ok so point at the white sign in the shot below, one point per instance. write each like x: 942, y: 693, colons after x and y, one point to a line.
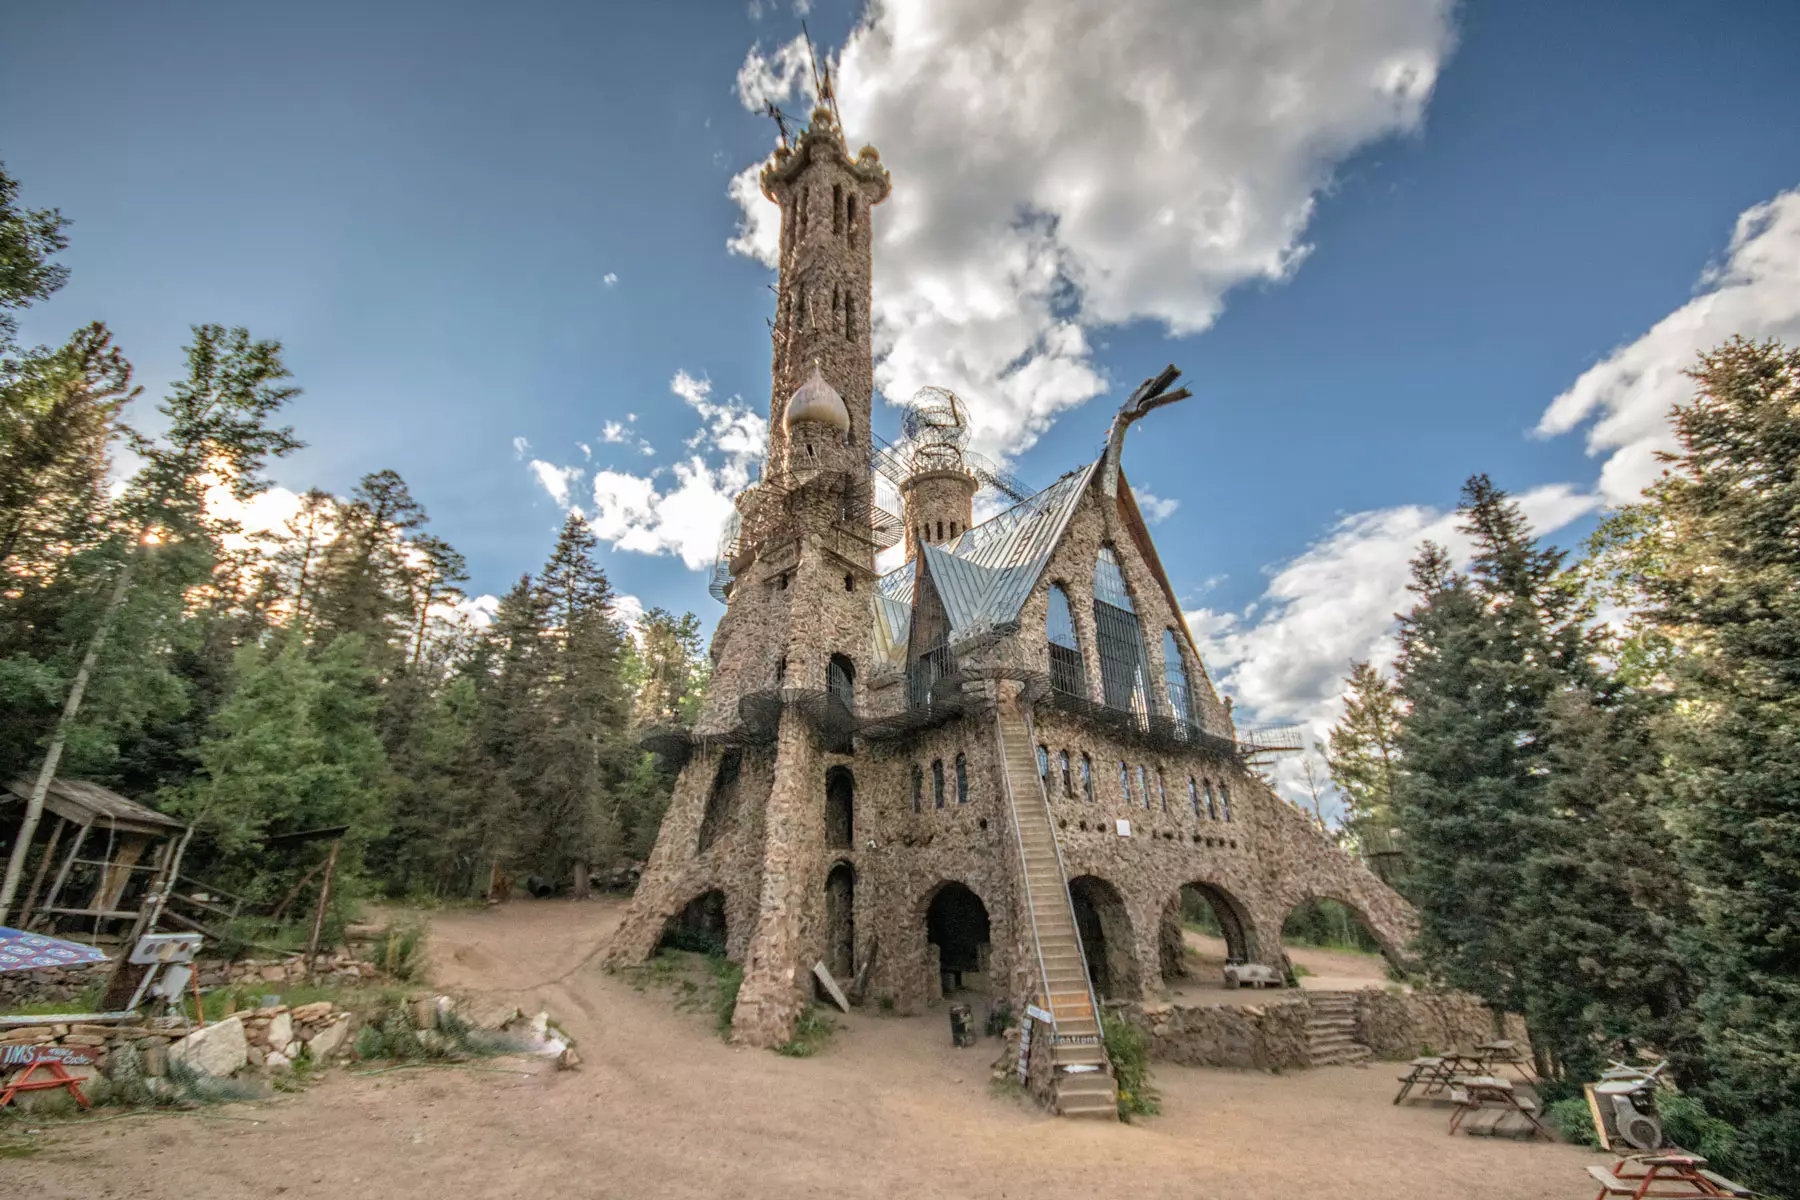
x: 1038, y: 1014
x: 1124, y: 827
x: 1024, y: 1049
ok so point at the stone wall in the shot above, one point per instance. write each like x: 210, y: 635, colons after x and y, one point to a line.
x: 48, y: 985
x: 1400, y: 1026
x: 1260, y: 1037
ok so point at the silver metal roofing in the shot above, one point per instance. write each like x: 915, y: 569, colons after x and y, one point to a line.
x: 984, y: 575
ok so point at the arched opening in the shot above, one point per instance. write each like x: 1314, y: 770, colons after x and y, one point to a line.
x: 840, y: 921
x: 956, y: 922
x: 1333, y: 944
x: 722, y: 799
x: 840, y: 680
x: 1106, y: 939
x: 840, y: 808
x: 699, y: 926
x: 1203, y: 929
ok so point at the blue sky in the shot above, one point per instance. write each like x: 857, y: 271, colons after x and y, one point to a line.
x: 473, y: 223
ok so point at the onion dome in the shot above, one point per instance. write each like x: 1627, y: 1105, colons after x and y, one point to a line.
x: 816, y: 400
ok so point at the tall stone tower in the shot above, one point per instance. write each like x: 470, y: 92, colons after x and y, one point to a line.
x: 793, y: 653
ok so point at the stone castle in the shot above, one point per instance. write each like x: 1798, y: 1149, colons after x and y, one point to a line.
x: 993, y: 768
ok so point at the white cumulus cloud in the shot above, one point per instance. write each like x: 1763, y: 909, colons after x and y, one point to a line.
x: 1284, y: 658
x: 609, y: 279
x: 1755, y: 292
x: 1154, y: 508
x: 1065, y: 165
x: 681, y: 509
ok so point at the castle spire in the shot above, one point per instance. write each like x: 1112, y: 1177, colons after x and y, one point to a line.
x: 822, y: 301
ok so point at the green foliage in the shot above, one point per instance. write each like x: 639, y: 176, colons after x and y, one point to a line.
x: 1573, y: 1120
x: 400, y: 951
x: 28, y: 239
x: 1000, y: 1018
x: 1329, y: 924
x: 1129, y: 1051
x: 1363, y: 755
x: 728, y: 978
x: 811, y: 1032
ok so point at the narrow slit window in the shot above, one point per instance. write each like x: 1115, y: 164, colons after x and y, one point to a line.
x: 1124, y: 782
x: 1162, y: 793
x: 1043, y: 753
x: 1087, y: 778
x: 937, y: 783
x: 1143, y: 788
x: 837, y: 208
x: 849, y: 320
x: 1225, y: 801
x: 1194, y: 795
x: 1068, y: 784
x: 962, y: 779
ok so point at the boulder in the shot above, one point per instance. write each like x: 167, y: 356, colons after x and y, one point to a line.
x: 315, y: 1011
x: 218, y: 1049
x: 281, y: 1032
x: 329, y: 1039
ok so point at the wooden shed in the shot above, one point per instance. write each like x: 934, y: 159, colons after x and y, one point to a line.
x: 103, y: 858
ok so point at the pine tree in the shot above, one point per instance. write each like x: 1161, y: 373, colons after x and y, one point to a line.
x: 1362, y: 754
x: 28, y: 240
x: 1717, y: 558
x: 364, y: 588
x: 668, y: 669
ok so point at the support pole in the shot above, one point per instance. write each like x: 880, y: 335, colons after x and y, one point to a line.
x: 36, y: 891
x: 312, y: 944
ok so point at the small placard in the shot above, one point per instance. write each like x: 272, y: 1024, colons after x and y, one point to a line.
x: 1124, y: 827
x: 1024, y: 1049
x: 1038, y: 1014
x: 68, y: 1056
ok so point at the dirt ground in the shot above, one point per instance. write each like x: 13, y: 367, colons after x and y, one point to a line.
x: 1326, y: 970
x: 662, y: 1107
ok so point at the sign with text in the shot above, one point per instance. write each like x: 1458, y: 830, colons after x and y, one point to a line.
x: 68, y: 1056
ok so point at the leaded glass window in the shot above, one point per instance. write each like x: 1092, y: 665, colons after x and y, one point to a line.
x: 1123, y: 667
x: 1176, y: 677
x: 1067, y: 672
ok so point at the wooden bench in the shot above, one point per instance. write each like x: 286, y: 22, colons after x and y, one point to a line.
x: 1729, y: 1186
x: 1610, y: 1184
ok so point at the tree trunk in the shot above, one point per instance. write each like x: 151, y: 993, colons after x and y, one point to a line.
x: 34, y: 805
x: 582, y: 881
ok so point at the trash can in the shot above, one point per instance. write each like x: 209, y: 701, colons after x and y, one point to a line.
x: 962, y: 1025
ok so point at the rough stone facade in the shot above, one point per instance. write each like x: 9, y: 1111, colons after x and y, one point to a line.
x: 1401, y: 1025
x: 825, y: 812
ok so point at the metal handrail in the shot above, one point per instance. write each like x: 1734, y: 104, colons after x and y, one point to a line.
x: 1063, y: 870
x: 1037, y: 941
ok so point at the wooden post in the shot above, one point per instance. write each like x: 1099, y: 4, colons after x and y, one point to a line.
x: 37, y: 878
x: 62, y: 872
x: 312, y: 944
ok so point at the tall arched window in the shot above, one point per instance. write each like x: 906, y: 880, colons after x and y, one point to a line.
x: 1194, y: 795
x: 1044, y: 764
x: 937, y: 783
x: 1123, y: 667
x: 840, y: 680
x: 1225, y: 801
x: 1067, y: 673
x: 1124, y: 782
x: 1143, y: 787
x: 1212, y: 803
x: 1087, y: 778
x: 1063, y: 761
x: 962, y: 780
x: 1176, y: 677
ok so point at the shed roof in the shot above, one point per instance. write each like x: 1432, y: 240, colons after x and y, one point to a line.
x: 87, y: 803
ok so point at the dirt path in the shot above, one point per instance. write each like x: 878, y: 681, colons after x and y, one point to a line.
x: 1326, y: 970
x: 662, y: 1107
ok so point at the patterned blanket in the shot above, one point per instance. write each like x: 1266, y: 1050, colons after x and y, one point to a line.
x: 21, y: 951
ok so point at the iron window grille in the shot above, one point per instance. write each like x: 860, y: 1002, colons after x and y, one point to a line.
x: 1068, y: 674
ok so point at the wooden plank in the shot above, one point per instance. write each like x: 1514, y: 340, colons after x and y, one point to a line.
x: 830, y: 985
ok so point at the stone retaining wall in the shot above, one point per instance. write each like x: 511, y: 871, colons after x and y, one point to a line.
x: 48, y: 985
x: 1402, y: 1025
x: 1263, y: 1037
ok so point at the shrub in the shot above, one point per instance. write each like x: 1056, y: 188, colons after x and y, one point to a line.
x: 401, y: 951
x: 1129, y: 1051
x: 1572, y: 1118
x: 728, y: 977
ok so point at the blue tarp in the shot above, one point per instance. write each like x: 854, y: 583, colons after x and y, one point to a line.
x: 21, y: 951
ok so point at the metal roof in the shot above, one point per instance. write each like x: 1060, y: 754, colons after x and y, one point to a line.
x: 90, y: 804
x: 984, y: 575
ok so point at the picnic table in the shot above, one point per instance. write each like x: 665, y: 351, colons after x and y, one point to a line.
x: 1470, y: 1093
x: 1434, y: 1073
x: 1663, y: 1173
x: 1504, y: 1052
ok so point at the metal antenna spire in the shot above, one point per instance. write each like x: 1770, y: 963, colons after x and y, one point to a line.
x: 821, y: 80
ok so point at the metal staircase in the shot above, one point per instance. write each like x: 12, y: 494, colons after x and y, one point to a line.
x: 1086, y: 1090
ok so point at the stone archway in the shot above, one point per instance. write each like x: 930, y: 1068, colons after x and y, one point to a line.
x: 1106, y: 938
x: 840, y: 922
x: 957, y: 924
x: 1331, y: 923
x: 1206, y: 911
x: 699, y: 925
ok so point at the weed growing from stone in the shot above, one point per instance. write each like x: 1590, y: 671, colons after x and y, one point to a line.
x: 811, y: 1032
x: 1129, y: 1051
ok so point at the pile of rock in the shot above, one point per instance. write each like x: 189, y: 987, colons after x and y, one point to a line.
x: 278, y: 1035
x: 48, y: 985
x: 106, y: 1046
